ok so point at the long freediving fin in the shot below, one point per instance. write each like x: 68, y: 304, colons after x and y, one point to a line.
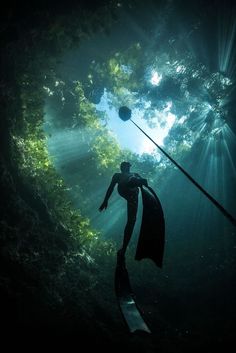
x: 126, y: 300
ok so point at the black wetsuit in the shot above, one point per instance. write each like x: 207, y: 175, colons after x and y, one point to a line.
x: 128, y: 184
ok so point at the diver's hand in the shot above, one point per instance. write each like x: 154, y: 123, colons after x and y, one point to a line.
x: 103, y: 206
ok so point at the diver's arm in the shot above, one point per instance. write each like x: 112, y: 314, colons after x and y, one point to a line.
x: 137, y: 180
x: 143, y: 181
x: 108, y: 193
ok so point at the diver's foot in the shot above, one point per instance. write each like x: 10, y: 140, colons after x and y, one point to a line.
x: 121, y: 258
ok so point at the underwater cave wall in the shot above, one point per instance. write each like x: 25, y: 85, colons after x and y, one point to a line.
x: 43, y: 281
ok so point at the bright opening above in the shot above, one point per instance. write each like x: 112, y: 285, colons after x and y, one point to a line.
x: 127, y: 134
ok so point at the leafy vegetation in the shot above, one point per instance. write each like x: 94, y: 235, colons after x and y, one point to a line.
x: 43, y: 237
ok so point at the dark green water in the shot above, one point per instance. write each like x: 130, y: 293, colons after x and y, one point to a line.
x: 173, y: 64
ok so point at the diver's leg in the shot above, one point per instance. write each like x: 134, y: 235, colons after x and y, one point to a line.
x: 132, y: 207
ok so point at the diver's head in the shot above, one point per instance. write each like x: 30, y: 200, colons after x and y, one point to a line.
x: 125, y: 167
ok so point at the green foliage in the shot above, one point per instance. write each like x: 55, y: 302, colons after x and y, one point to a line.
x: 119, y: 74
x: 36, y: 78
x: 37, y: 168
x: 86, y: 113
x: 107, y: 151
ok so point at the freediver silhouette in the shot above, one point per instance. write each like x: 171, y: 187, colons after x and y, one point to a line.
x: 128, y: 184
x: 152, y: 220
x: 150, y: 242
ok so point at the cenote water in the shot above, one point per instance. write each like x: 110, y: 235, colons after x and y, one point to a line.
x: 173, y: 64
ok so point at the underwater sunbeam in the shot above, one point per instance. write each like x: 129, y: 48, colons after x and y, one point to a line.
x: 226, y: 49
x: 125, y: 115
